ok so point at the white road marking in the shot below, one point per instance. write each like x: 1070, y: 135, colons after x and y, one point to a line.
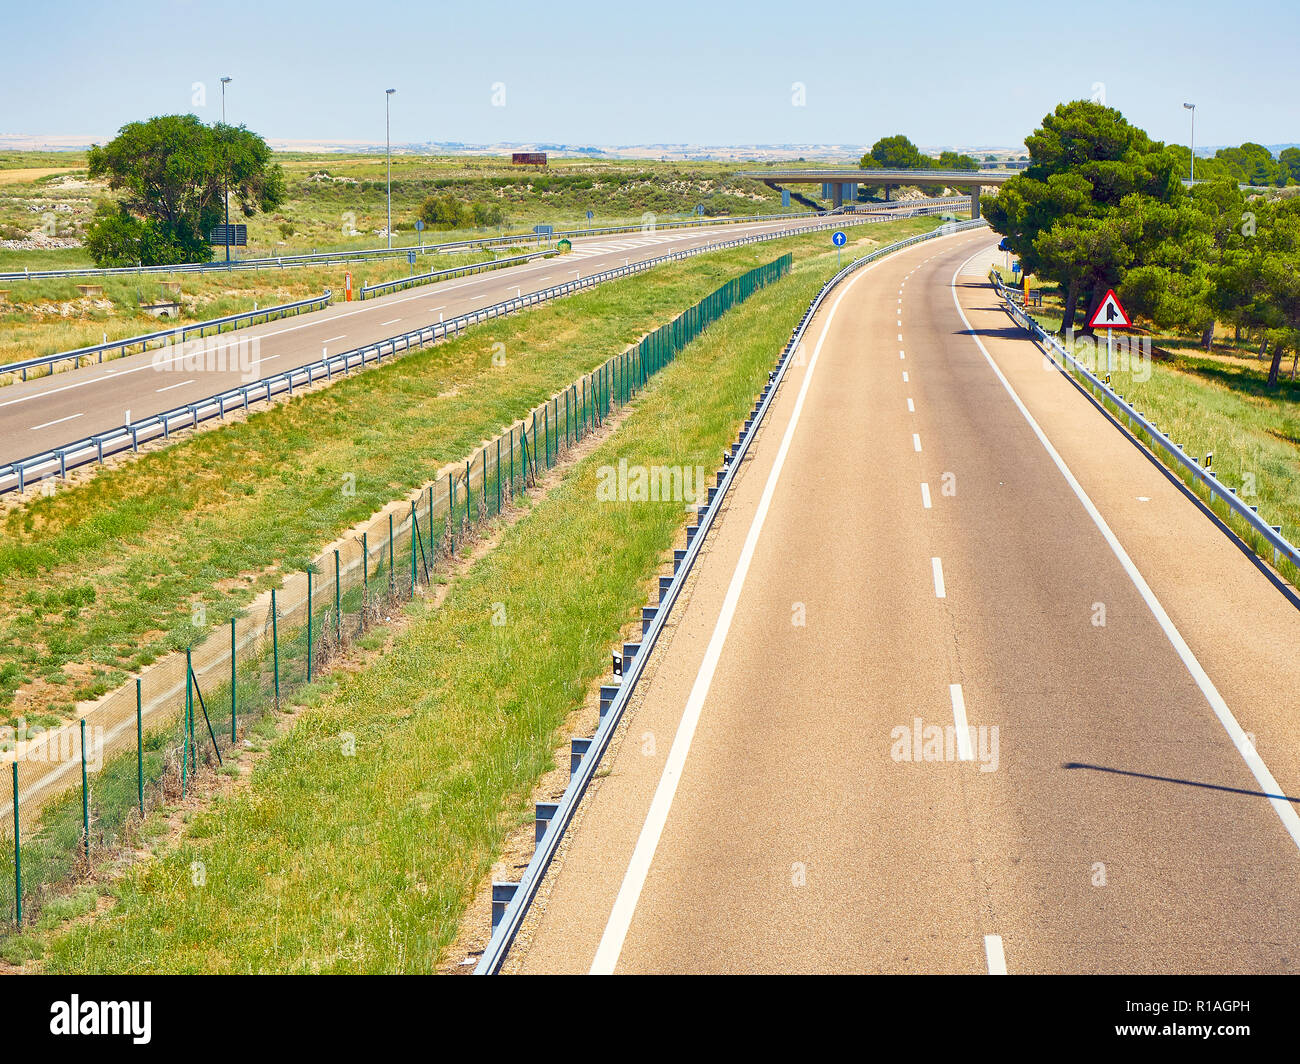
x: 57, y: 421
x: 342, y: 336
x: 939, y: 590
x: 1285, y: 809
x: 916, y: 441
x: 900, y: 323
x: 171, y: 386
x: 925, y: 495
x: 900, y: 354
x: 394, y: 321
x: 900, y: 338
x: 904, y: 376
x: 911, y: 406
x: 620, y: 917
x: 964, y: 750
x: 993, y: 952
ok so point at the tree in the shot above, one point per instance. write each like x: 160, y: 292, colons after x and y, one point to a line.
x: 169, y: 173
x: 1077, y: 215
x: 893, y: 153
x: 1290, y: 159
x: 446, y: 212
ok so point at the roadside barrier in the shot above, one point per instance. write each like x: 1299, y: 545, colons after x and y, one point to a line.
x: 1143, y: 428
x: 511, y: 900
x: 79, y: 792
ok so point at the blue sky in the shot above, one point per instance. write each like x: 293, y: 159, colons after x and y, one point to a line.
x: 618, y: 73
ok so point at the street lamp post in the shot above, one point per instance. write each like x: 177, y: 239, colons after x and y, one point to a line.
x: 1192, y: 150
x: 225, y: 177
x: 388, y: 155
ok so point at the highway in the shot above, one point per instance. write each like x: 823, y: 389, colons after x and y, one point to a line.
x: 964, y: 682
x: 50, y: 411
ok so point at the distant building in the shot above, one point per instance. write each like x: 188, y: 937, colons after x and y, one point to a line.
x: 528, y: 158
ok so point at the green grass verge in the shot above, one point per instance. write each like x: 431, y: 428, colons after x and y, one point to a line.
x: 330, y: 863
x: 103, y: 578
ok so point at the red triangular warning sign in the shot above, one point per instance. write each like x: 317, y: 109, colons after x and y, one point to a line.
x: 1110, y: 315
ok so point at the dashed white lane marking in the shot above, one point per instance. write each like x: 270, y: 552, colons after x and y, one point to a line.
x: 900, y: 338
x: 1282, y: 805
x: 56, y: 421
x: 964, y: 749
x: 997, y: 959
x: 904, y: 376
x: 391, y: 321
x: 339, y: 337
x: 916, y: 441
x: 911, y: 406
x: 620, y: 917
x: 900, y: 323
x: 939, y: 590
x: 171, y: 386
x: 900, y: 354
x: 925, y: 495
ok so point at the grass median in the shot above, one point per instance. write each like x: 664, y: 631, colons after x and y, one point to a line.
x: 102, y: 578
x: 326, y: 862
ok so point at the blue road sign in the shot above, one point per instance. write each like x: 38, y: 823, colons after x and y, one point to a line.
x: 410, y: 257
x: 590, y: 216
x: 699, y: 208
x: 838, y: 238
x: 1015, y: 267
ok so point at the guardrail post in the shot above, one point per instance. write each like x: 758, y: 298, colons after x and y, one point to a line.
x: 502, y: 895
x: 578, y: 748
x: 545, y: 813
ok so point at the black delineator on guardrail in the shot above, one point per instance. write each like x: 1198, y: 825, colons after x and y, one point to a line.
x: 1139, y: 423
x: 177, y: 335
x: 57, y: 461
x: 510, y: 901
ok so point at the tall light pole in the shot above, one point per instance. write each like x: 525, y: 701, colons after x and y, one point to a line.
x: 1192, y: 107
x: 388, y: 154
x: 225, y: 177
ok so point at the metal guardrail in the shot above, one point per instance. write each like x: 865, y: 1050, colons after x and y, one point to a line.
x: 367, y: 291
x: 325, y: 258
x: 57, y: 461
x: 179, y: 334
x: 511, y: 901
x: 1101, y: 389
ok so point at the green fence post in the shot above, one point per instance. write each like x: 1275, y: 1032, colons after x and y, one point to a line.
x: 85, y: 797
x: 498, y: 476
x: 413, y: 549
x: 185, y: 726
x: 469, y: 499
x: 139, y: 746
x: 309, y: 626
x: 433, y: 552
x: 18, y: 857
x: 234, y: 693
x: 484, y: 493
x: 338, y: 597
x: 512, y: 462
x: 451, y: 512
x: 275, y: 647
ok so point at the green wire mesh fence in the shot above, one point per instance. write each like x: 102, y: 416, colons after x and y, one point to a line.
x: 79, y: 793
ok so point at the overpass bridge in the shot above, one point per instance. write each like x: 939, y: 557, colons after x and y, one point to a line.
x: 842, y: 183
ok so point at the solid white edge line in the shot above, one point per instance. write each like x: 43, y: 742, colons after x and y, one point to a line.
x: 1284, y: 809
x: 939, y: 590
x: 965, y: 752
x: 629, y: 893
x: 995, y: 955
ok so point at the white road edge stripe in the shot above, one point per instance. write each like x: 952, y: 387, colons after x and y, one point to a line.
x: 964, y: 750
x: 993, y: 952
x: 1284, y: 809
x: 629, y: 893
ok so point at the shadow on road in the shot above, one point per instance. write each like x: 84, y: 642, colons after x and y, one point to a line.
x: 1174, y: 779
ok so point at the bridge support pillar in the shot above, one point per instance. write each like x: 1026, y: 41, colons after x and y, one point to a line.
x: 837, y: 194
x: 975, y: 203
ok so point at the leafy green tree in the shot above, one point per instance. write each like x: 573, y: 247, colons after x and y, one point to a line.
x: 1077, y: 215
x: 169, y: 174
x: 892, y: 153
x: 1290, y: 159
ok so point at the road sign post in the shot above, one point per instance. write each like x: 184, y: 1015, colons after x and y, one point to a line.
x: 1110, y: 315
x: 839, y: 238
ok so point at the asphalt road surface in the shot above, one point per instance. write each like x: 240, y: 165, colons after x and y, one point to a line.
x: 964, y: 683
x: 44, y: 413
